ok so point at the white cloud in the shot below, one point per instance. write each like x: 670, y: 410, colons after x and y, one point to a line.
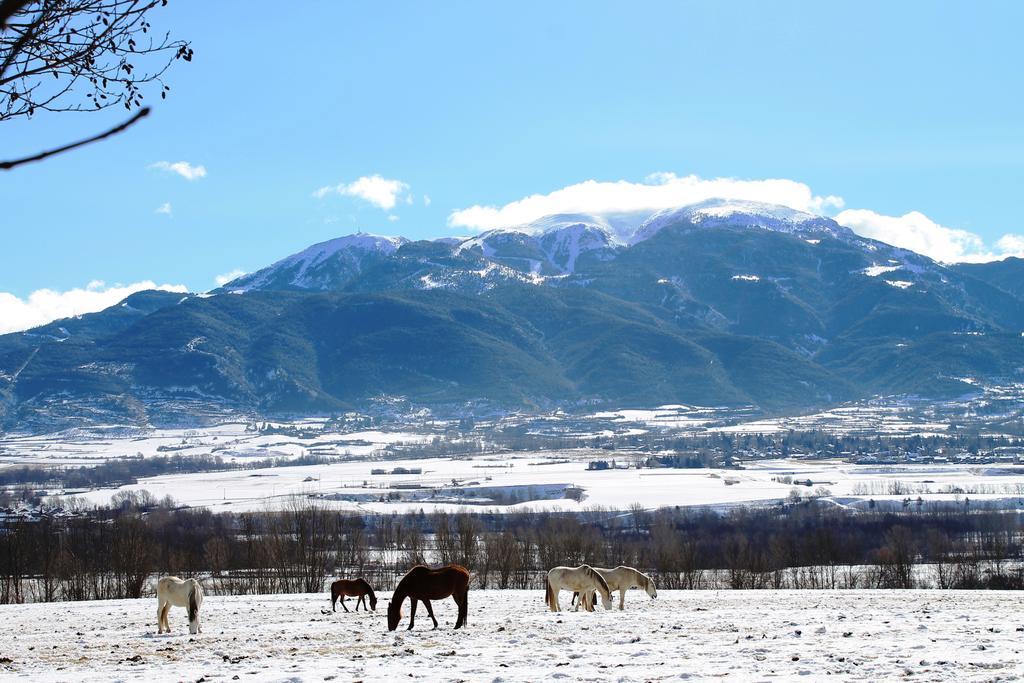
x: 375, y: 189
x: 182, y: 168
x: 164, y: 209
x: 225, y: 278
x: 392, y: 217
x: 1011, y: 245
x: 46, y: 305
x: 658, y: 191
x: 917, y: 232
x: 426, y: 200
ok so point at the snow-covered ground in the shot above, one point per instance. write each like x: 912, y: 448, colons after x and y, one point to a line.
x: 231, y: 440
x: 350, y: 485
x: 697, y: 635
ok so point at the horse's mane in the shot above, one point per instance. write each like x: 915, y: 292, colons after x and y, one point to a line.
x: 459, y: 568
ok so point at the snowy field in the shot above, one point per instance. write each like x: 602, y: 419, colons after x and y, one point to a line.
x: 697, y: 635
x: 351, y: 486
x: 230, y: 440
x: 550, y: 479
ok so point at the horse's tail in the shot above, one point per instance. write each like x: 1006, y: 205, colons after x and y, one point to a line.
x: 549, y: 592
x: 193, y: 601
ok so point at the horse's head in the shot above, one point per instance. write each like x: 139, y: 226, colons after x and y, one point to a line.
x: 394, y: 614
x: 373, y: 602
x: 651, y: 590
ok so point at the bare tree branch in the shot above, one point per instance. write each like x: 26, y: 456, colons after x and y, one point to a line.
x: 142, y: 113
x: 81, y: 55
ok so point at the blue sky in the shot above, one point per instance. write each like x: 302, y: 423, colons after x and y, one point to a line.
x: 895, y: 107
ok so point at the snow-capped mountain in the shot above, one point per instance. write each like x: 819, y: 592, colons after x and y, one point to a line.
x: 714, y: 213
x: 322, y: 266
x: 722, y: 302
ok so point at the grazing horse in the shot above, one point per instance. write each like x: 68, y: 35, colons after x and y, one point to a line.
x: 426, y: 584
x: 358, y: 588
x: 172, y: 591
x: 622, y: 579
x: 582, y: 579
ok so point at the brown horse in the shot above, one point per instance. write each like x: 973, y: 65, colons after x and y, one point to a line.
x: 426, y: 584
x: 358, y: 588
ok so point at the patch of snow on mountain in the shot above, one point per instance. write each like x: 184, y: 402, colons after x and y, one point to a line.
x: 899, y: 284
x: 747, y: 278
x: 876, y: 270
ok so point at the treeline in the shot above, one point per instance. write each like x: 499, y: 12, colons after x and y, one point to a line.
x: 112, y: 552
x: 719, y: 448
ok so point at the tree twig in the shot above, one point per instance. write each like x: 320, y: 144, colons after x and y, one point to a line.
x: 142, y: 113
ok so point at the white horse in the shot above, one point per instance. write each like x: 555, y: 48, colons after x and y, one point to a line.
x: 582, y: 579
x: 621, y: 579
x: 172, y: 591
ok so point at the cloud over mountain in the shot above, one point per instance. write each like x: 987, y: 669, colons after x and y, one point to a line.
x: 45, y: 305
x: 917, y: 232
x: 658, y: 191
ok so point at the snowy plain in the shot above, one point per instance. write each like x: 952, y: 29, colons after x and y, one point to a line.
x: 683, y: 635
x: 351, y: 486
x: 538, y: 479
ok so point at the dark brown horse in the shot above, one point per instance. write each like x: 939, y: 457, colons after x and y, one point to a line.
x: 426, y: 584
x: 357, y: 588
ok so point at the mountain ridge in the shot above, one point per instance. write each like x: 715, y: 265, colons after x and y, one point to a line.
x: 717, y: 304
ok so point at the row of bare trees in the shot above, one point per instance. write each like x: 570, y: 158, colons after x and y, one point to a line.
x: 114, y: 552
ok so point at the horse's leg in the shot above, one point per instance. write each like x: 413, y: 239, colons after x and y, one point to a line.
x: 160, y: 615
x: 163, y: 617
x: 463, y: 603
x: 334, y: 601
x: 362, y: 601
x: 430, y: 611
x: 622, y: 599
x: 343, y: 605
x: 555, y: 606
x: 412, y: 612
